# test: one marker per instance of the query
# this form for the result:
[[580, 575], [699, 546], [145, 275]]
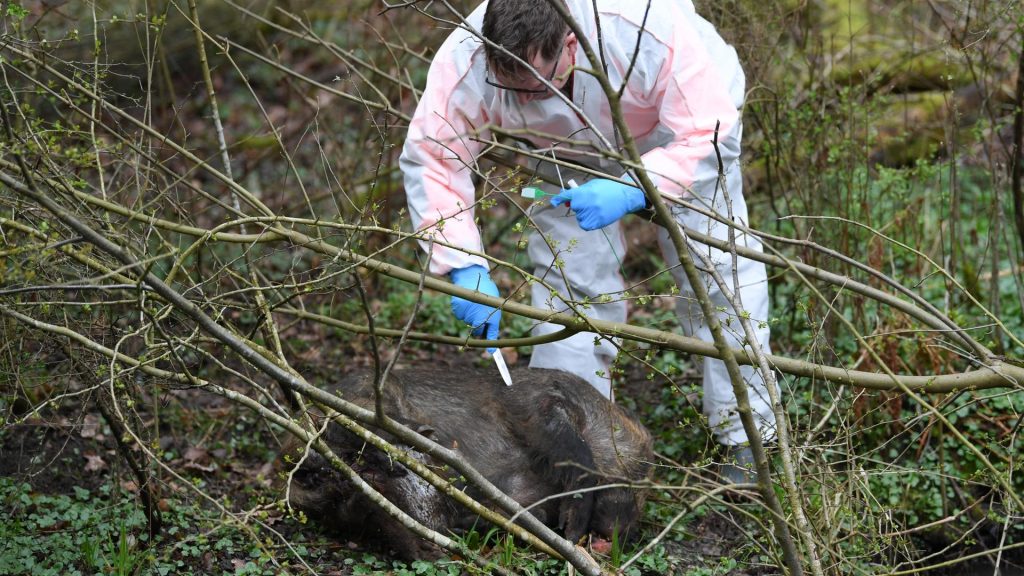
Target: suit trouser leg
[[590, 270], [590, 263], [751, 285]]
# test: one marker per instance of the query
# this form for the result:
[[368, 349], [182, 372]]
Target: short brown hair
[[524, 28]]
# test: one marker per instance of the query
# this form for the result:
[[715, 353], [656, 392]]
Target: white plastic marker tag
[[502, 368]]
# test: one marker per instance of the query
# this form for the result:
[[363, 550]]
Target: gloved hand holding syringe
[[597, 203]]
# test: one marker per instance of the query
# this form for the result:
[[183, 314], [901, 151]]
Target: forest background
[[200, 206]]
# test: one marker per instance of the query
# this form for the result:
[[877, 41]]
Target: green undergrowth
[[104, 531]]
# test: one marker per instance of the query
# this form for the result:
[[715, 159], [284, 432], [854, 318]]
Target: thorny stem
[[267, 327], [1017, 155], [381, 379], [148, 490], [994, 375], [726, 353], [786, 365], [781, 421], [923, 311], [294, 382], [349, 423], [837, 279], [1000, 478], [996, 379], [949, 277]]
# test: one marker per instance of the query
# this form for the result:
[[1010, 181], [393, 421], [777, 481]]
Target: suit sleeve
[[439, 155], [695, 83]]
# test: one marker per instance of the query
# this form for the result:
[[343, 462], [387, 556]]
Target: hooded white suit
[[684, 82]]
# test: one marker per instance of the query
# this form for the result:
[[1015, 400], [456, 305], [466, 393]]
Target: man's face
[[557, 72]]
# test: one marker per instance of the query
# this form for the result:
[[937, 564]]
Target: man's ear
[[571, 42]]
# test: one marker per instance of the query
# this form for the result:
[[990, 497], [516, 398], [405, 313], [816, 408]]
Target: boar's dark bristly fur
[[550, 433]]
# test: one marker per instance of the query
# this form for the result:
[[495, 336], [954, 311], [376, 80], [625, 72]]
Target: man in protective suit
[[680, 82]]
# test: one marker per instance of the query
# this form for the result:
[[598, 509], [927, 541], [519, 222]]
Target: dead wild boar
[[547, 434]]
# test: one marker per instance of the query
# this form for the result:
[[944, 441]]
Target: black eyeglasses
[[543, 90]]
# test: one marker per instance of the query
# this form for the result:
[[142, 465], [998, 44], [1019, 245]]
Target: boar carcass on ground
[[550, 433]]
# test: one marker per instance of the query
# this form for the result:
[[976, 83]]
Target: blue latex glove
[[600, 202], [484, 319]]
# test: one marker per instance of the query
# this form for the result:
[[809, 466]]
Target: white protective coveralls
[[684, 81]]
